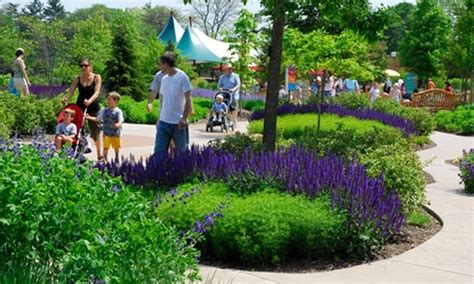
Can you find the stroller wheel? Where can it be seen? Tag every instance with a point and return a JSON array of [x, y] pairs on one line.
[[207, 128]]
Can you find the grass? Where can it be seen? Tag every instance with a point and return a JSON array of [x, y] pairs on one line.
[[419, 218], [293, 126]]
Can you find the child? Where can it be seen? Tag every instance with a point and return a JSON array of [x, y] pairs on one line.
[[65, 131], [112, 119], [219, 108]]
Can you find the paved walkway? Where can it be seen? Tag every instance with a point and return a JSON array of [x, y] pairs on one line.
[[445, 258]]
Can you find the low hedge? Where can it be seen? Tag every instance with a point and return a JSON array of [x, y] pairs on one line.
[[459, 121], [297, 125], [64, 222], [467, 170], [266, 227]]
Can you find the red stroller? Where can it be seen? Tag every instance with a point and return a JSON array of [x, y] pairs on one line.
[[80, 142]]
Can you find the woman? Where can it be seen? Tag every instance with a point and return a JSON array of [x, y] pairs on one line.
[[395, 93], [89, 86], [20, 78], [374, 92], [448, 88]]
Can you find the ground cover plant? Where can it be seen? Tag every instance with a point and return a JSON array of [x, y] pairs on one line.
[[371, 212], [65, 222], [459, 121], [467, 170]]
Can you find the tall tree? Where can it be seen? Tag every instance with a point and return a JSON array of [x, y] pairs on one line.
[[11, 10], [122, 74], [34, 8], [154, 18], [397, 21], [423, 47], [244, 40], [54, 10], [214, 15]]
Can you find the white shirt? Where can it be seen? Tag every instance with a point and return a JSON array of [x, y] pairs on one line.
[[173, 89], [329, 84], [156, 83]]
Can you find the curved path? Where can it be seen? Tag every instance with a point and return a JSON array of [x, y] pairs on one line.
[[445, 258]]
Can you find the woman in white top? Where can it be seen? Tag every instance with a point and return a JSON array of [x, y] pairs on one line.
[[374, 92], [20, 78], [395, 93]]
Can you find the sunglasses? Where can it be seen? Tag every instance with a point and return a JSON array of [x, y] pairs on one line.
[[84, 65]]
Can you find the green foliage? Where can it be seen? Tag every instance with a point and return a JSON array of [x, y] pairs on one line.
[[418, 218], [397, 17], [402, 173], [422, 49], [69, 223], [460, 121], [423, 121], [7, 121], [30, 114], [294, 126], [237, 143], [252, 105], [352, 100], [467, 171], [135, 112], [262, 228], [122, 69]]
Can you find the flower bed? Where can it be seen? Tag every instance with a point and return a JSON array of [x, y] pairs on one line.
[[369, 206], [367, 114], [459, 121], [67, 222], [467, 170], [44, 91]]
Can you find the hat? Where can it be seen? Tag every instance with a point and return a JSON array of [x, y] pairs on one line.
[[227, 66], [19, 49]]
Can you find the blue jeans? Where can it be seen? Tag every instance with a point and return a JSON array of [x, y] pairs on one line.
[[165, 132]]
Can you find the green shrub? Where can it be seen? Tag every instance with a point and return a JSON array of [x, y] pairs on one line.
[[422, 119], [64, 222], [419, 218], [262, 228], [461, 120], [135, 112], [6, 122], [30, 114], [352, 100], [253, 105], [297, 125], [237, 143], [467, 170], [402, 172]]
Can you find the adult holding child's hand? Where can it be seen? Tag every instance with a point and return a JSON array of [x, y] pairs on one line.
[[89, 86]]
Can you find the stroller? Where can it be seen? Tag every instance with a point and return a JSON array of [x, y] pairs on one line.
[[224, 121], [79, 144]]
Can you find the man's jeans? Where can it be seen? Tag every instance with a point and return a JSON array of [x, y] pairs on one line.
[[165, 132]]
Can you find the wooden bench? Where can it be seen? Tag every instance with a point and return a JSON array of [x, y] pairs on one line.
[[434, 100]]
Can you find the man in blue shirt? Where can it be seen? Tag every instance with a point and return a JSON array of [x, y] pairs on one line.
[[230, 81]]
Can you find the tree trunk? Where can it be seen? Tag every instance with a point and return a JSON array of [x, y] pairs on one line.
[[472, 87], [271, 105], [320, 102]]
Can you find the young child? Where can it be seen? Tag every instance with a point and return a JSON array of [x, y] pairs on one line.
[[219, 108], [112, 119], [65, 131]]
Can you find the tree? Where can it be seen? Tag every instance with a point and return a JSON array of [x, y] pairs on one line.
[[54, 10], [34, 8], [122, 74], [11, 10], [213, 15], [244, 41], [422, 49], [154, 18], [397, 22]]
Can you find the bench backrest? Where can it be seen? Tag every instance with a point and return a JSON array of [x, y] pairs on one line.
[[435, 99]]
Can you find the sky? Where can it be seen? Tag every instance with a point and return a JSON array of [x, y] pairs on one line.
[[252, 5]]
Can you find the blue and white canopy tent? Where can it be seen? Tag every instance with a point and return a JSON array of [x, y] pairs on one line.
[[172, 31]]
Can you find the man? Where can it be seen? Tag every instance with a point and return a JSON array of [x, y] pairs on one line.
[[351, 86], [175, 105], [230, 81]]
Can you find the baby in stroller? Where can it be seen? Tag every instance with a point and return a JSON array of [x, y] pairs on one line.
[[219, 112], [69, 129], [219, 108]]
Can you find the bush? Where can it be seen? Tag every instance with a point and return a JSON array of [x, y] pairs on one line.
[[460, 121], [352, 100], [135, 112], [467, 170], [266, 227], [253, 105], [422, 120], [294, 126], [30, 114], [7, 122], [64, 222], [402, 172]]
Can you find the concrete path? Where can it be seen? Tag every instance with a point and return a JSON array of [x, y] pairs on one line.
[[138, 139], [445, 258]]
